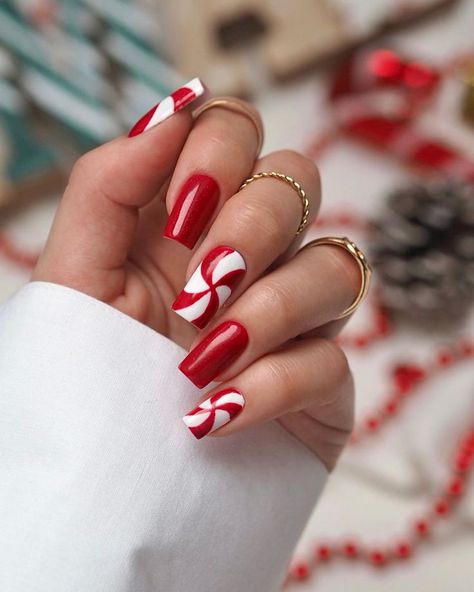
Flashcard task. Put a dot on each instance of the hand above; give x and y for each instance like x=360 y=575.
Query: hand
x=270 y=346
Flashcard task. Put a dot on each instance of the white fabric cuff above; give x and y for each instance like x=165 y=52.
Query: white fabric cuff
x=102 y=487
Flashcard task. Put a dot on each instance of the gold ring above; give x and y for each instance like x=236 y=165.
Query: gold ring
x=233 y=104
x=361 y=259
x=296 y=186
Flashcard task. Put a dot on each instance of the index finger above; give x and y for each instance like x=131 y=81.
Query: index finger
x=96 y=220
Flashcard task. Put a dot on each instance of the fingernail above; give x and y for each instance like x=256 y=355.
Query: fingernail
x=178 y=99
x=193 y=209
x=213 y=413
x=210 y=286
x=216 y=352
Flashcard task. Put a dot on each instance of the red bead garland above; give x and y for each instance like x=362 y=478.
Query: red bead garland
x=402 y=549
x=406 y=378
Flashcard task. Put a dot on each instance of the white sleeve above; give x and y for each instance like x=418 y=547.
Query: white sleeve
x=102 y=487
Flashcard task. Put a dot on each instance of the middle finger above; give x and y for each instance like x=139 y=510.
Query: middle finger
x=252 y=230
x=220 y=151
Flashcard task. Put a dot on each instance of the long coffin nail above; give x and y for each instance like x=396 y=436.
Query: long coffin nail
x=193 y=209
x=210 y=286
x=216 y=352
x=174 y=102
x=213 y=413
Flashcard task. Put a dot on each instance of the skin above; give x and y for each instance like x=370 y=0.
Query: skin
x=106 y=242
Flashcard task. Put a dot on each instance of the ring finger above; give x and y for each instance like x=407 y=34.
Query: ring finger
x=310 y=290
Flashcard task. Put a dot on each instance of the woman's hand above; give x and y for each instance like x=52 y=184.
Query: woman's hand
x=270 y=345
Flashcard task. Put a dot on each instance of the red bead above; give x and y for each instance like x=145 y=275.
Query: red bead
x=403 y=550
x=455 y=486
x=468 y=443
x=466 y=348
x=382 y=324
x=372 y=424
x=300 y=571
x=422 y=527
x=361 y=341
x=321 y=221
x=464 y=460
x=350 y=549
x=418 y=76
x=441 y=507
x=463 y=464
x=403 y=379
x=406 y=376
x=344 y=220
x=391 y=408
x=378 y=557
x=385 y=64
x=445 y=358
x=323 y=552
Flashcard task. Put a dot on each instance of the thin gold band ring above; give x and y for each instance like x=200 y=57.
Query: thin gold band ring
x=233 y=104
x=290 y=181
x=361 y=259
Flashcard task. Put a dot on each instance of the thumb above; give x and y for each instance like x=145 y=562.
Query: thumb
x=96 y=220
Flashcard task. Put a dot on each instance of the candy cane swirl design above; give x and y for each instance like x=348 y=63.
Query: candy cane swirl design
x=169 y=105
x=214 y=412
x=210 y=285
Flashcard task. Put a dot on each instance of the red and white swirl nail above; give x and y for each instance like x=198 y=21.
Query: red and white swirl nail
x=214 y=412
x=210 y=286
x=178 y=99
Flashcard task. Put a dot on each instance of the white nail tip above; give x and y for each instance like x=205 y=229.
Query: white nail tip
x=231 y=262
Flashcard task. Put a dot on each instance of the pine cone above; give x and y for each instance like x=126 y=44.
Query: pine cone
x=423 y=250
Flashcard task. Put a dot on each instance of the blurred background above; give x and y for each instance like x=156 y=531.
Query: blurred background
x=381 y=96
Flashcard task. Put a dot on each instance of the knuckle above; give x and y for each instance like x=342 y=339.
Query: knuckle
x=249 y=107
x=281 y=374
x=335 y=361
x=219 y=143
x=95 y=173
x=300 y=164
x=83 y=167
x=276 y=300
x=304 y=170
x=90 y=169
x=346 y=269
x=248 y=216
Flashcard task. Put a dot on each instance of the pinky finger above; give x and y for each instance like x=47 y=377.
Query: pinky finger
x=310 y=375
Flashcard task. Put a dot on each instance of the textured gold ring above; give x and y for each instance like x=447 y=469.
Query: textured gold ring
x=296 y=186
x=233 y=104
x=361 y=259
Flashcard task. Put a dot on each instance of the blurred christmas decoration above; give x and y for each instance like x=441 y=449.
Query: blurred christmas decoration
x=73 y=74
x=236 y=44
x=445 y=499
x=423 y=250
x=376 y=97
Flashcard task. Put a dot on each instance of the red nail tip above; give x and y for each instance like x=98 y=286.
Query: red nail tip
x=215 y=353
x=142 y=123
x=178 y=99
x=214 y=412
x=213 y=282
x=193 y=209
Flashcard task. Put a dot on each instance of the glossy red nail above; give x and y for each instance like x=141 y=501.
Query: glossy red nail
x=215 y=353
x=193 y=209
